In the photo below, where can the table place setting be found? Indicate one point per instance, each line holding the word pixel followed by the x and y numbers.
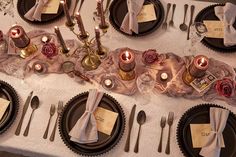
pixel 121 100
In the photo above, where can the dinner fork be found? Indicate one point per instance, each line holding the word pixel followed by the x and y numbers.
pixel 164 25
pixel 51 112
pixel 169 122
pixel 59 111
pixel 163 124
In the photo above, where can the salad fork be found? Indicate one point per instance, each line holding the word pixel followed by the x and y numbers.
pixel 169 122
pixel 59 111
pixel 162 124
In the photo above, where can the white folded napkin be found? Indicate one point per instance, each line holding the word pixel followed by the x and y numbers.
pixel 130 22
pixel 85 129
pixel 218 119
pixel 34 14
pixel 227 14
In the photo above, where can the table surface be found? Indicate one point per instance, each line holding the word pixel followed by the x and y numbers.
pixel 53 88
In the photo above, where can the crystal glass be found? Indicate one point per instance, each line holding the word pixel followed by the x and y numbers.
pixel 198 31
pixel 145 84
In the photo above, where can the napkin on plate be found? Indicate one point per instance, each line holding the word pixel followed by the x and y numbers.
pixel 218 119
pixel 34 14
pixel 85 129
pixel 227 14
pixel 130 22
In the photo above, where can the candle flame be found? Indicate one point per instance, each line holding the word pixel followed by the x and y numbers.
pixel 202 61
pixel 127 55
pixel 96 27
pixel 62 1
pixel 15 32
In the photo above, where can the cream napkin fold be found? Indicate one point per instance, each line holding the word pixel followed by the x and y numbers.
pixel 227 14
pixel 218 119
pixel 85 129
pixel 130 22
pixel 34 14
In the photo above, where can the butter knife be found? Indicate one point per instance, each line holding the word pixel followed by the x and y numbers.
pixel 27 102
pixel 191 20
pixel 131 120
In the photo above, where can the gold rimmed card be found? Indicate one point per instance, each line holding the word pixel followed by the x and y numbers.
pixel 215 29
pixel 147 14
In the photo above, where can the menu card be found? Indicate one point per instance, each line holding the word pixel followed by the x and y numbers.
pixel 105 120
pixel 147 14
pixel 3 106
pixel 51 7
pixel 199 134
pixel 215 29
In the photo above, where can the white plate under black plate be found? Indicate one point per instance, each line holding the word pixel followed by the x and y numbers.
pixel 118 10
pixel 8 92
pixel 208 13
pixel 200 115
pixel 74 109
pixel 23 6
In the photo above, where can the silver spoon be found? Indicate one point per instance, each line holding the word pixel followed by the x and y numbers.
pixel 163 124
pixel 164 25
pixel 34 105
pixel 183 26
pixel 141 118
pixel 52 111
pixel 171 22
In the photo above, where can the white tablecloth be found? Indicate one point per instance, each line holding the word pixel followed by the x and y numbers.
pixel 53 88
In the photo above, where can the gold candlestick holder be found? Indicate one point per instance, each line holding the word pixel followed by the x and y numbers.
pixel 91 60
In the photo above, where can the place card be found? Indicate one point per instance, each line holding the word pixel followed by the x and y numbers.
pixel 215 29
pixel 200 84
pixel 199 134
pixel 147 14
pixel 51 7
pixel 105 120
pixel 3 106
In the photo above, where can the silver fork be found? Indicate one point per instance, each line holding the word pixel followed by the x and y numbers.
pixel 164 25
pixel 51 112
pixel 162 124
pixel 169 122
pixel 59 110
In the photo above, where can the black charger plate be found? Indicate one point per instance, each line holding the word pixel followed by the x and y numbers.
pixel 8 92
pixel 74 110
pixel 208 13
pixel 118 10
pixel 23 6
pixel 200 115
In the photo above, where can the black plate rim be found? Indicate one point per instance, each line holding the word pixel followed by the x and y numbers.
pixel 111 146
pixel 114 25
pixel 40 22
pixel 204 41
pixel 182 121
pixel 15 109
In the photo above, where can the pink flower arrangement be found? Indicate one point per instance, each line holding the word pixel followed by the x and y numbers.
pixel 49 50
pixel 225 87
pixel 149 56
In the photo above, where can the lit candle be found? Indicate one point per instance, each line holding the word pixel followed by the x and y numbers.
pixel 66 11
pixel 19 37
pixel 80 24
pixel 97 37
pixel 38 67
pixel 61 40
pixel 199 66
pixel 103 23
pixel 164 76
pixel 127 61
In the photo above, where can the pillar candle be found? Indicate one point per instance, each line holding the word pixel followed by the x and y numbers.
pixel 199 66
pixel 19 37
pixel 127 60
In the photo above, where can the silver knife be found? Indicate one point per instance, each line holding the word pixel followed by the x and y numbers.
pixel 131 120
pixel 27 102
pixel 191 20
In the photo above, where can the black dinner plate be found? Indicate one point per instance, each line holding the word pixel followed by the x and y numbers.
pixel 23 6
pixel 200 115
pixel 118 10
pixel 74 110
pixel 213 43
pixel 8 92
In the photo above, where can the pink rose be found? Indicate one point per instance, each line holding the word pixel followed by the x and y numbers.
pixel 49 50
pixel 149 56
pixel 225 87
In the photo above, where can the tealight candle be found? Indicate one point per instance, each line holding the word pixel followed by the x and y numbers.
pixel 164 76
pixel 38 67
pixel 66 11
pixel 199 66
pixel 108 83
